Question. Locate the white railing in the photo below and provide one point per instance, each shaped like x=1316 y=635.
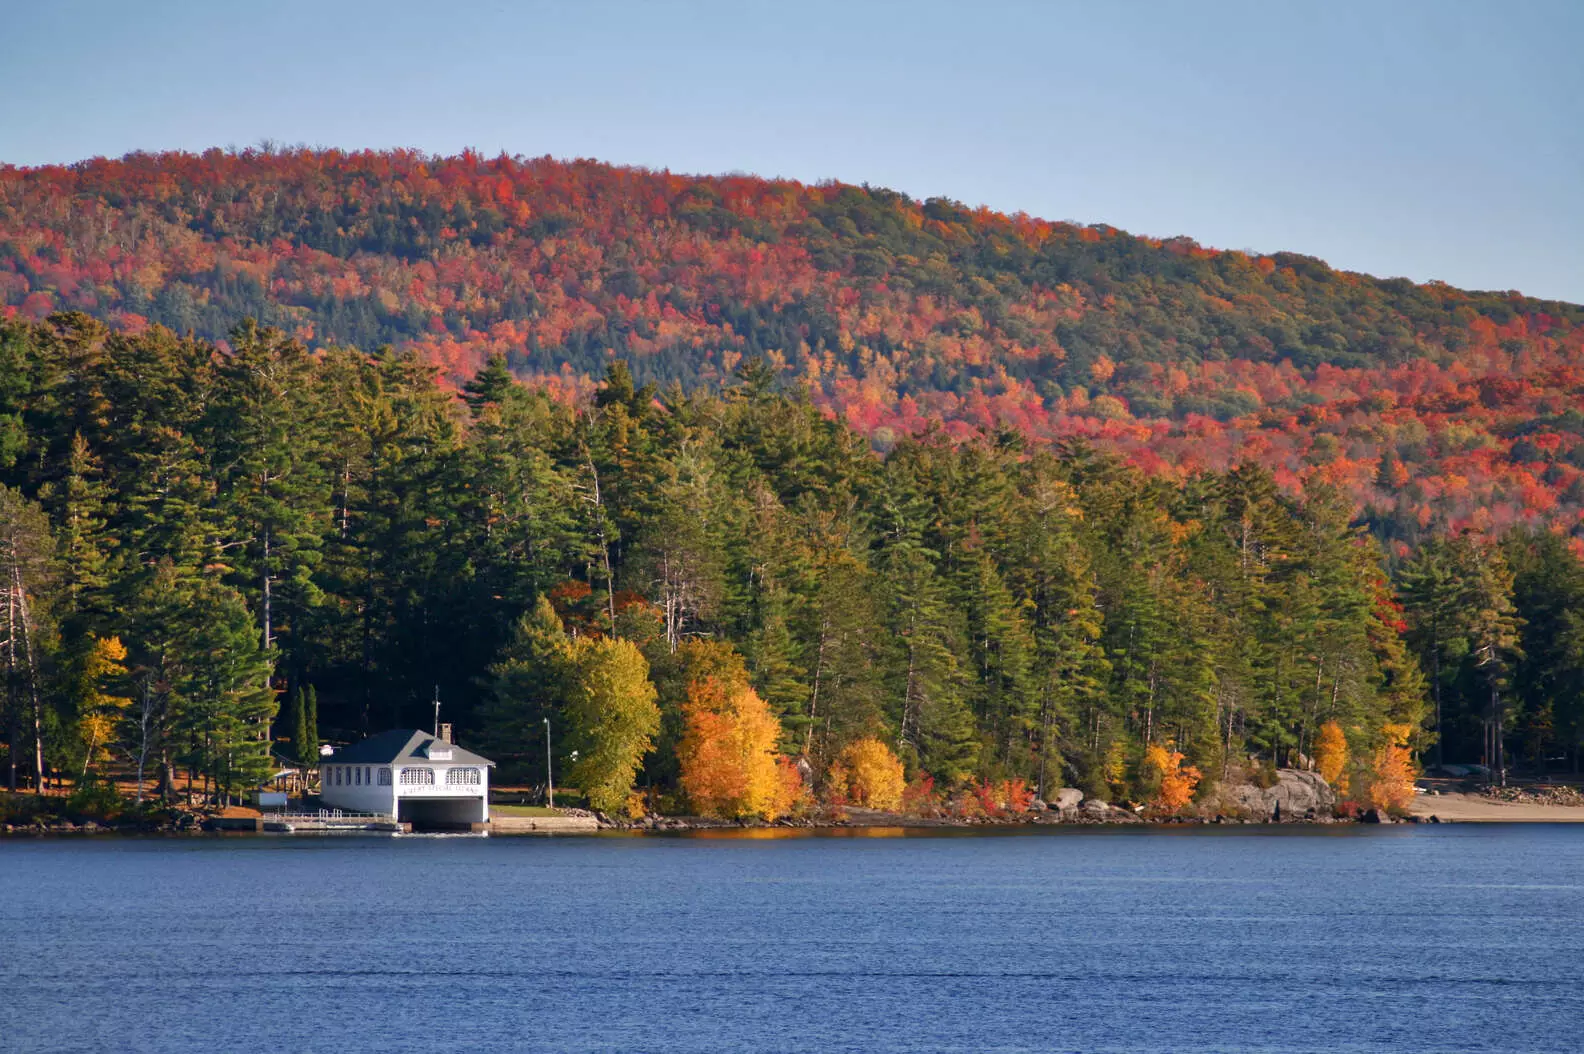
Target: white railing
x=327 y=814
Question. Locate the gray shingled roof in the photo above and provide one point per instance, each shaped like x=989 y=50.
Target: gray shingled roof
x=399 y=745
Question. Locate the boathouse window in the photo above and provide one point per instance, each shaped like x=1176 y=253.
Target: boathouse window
x=384 y=777
x=357 y=776
x=467 y=777
x=417 y=777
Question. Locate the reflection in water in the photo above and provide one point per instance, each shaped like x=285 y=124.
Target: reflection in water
x=775 y=834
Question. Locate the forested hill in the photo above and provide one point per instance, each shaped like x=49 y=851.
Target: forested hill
x=1426 y=403
x=190 y=535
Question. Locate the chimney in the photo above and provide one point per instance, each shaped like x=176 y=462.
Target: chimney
x=445 y=732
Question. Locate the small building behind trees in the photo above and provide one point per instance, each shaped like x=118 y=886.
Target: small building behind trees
x=412 y=776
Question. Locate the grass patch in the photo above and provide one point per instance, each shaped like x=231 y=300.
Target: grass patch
x=523 y=810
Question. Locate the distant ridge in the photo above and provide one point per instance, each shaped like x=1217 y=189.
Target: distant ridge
x=1427 y=403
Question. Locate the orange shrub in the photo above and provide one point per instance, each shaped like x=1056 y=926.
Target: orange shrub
x=920 y=798
x=984 y=794
x=1017 y=796
x=1006 y=798
x=1177 y=781
x=792 y=794
x=1395 y=772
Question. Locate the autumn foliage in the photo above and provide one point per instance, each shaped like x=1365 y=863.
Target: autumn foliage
x=1425 y=404
x=728 y=757
x=1331 y=757
x=1177 y=780
x=1393 y=784
x=866 y=774
x=613 y=717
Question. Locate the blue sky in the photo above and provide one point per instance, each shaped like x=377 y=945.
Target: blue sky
x=1436 y=139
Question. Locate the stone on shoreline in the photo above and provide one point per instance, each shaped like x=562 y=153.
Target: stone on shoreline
x=1296 y=795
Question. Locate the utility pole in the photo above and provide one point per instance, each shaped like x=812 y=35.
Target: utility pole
x=549 y=772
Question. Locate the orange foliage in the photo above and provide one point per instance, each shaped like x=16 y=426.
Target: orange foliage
x=1395 y=771
x=1331 y=756
x=1177 y=781
x=727 y=754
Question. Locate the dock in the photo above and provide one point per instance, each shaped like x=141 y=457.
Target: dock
x=325 y=821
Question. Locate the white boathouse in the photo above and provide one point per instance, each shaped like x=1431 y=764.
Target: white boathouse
x=412 y=776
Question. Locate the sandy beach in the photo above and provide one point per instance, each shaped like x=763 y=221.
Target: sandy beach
x=1475 y=808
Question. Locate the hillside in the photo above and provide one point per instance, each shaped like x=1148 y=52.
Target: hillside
x=1429 y=405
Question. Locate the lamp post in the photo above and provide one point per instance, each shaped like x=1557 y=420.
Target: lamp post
x=549 y=771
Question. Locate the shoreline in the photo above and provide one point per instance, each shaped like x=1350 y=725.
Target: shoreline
x=682 y=825
x=1454 y=807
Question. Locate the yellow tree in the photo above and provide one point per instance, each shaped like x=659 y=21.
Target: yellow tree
x=866 y=773
x=99 y=713
x=1331 y=756
x=613 y=717
x=727 y=754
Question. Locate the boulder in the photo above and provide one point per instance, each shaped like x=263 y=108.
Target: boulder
x=1095 y=809
x=1067 y=798
x=1296 y=795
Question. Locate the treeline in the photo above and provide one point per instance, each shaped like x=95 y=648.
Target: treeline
x=680 y=580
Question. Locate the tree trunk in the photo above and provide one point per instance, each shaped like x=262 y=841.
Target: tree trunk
x=32 y=676
x=604 y=544
x=13 y=704
x=264 y=575
x=1499 y=732
x=1436 y=684
x=819 y=671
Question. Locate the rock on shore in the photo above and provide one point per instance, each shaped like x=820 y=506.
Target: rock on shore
x=1296 y=795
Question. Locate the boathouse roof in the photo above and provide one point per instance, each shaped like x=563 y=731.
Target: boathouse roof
x=400 y=745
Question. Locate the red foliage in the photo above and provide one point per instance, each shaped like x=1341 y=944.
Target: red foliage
x=1469 y=416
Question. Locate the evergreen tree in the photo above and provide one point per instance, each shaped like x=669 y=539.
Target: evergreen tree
x=1548 y=590
x=310 y=755
x=1432 y=595
x=25 y=549
x=267 y=450
x=527 y=683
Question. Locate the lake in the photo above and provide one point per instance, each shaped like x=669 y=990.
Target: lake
x=1434 y=939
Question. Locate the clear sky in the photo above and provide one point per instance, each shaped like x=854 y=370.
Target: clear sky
x=1428 y=138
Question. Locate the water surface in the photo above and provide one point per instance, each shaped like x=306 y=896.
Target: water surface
x=1433 y=939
